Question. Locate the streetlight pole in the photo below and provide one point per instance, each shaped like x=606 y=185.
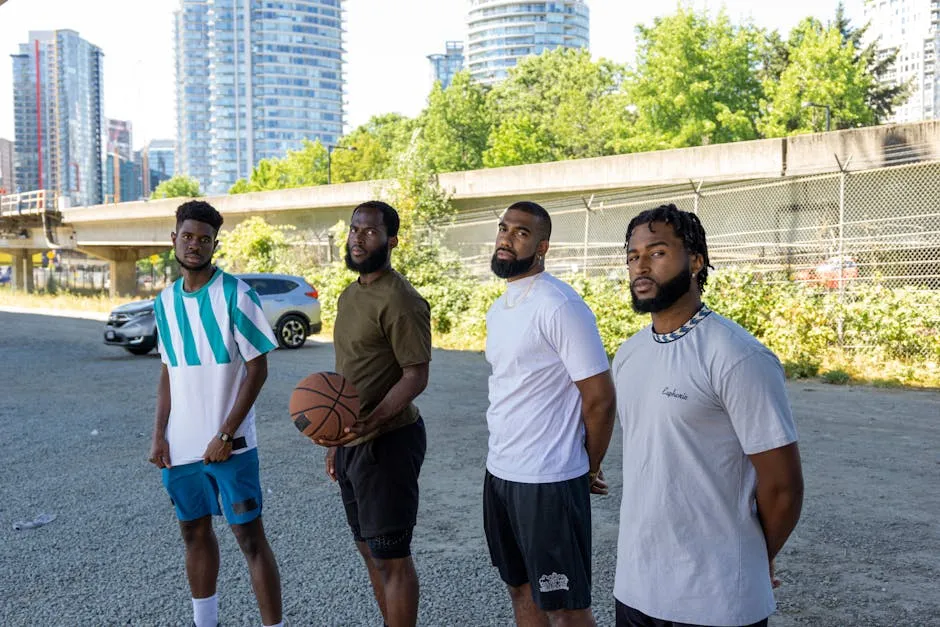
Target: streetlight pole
x=329 y=160
x=828 y=112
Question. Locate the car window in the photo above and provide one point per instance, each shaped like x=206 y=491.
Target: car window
x=259 y=285
x=269 y=287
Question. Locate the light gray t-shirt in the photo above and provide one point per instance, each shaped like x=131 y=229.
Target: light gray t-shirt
x=541 y=337
x=693 y=405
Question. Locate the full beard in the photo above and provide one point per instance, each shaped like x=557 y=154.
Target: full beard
x=509 y=268
x=374 y=262
x=667 y=294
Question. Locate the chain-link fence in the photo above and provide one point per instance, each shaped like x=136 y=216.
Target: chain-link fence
x=880 y=224
x=865 y=243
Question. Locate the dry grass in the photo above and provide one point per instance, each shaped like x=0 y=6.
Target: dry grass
x=62 y=300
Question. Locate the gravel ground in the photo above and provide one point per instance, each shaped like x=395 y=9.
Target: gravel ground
x=75 y=423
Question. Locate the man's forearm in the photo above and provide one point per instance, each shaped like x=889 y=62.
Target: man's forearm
x=163 y=406
x=598 y=412
x=398 y=398
x=779 y=511
x=598 y=429
x=247 y=395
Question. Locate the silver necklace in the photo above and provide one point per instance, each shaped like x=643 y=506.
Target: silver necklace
x=510 y=305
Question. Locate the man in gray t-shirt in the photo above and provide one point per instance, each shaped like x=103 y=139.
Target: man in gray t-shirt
x=713 y=484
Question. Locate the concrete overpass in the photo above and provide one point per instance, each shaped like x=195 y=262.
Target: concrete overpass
x=123 y=233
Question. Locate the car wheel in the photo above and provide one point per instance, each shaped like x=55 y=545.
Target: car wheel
x=291 y=331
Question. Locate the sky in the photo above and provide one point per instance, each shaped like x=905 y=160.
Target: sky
x=387 y=42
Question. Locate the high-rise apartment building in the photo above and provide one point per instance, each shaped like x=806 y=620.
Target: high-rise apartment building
x=57 y=110
x=121 y=179
x=254 y=79
x=192 y=89
x=500 y=32
x=157 y=163
x=444 y=66
x=912 y=28
x=7 y=172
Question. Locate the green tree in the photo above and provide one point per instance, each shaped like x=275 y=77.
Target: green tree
x=696 y=81
x=883 y=96
x=455 y=126
x=374 y=148
x=821 y=68
x=253 y=246
x=177 y=187
x=558 y=105
x=299 y=168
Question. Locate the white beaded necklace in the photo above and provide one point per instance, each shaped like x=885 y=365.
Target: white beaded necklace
x=510 y=305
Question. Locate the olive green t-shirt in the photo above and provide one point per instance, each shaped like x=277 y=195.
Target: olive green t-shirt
x=380 y=329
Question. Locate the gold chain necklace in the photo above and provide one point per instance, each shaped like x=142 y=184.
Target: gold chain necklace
x=524 y=294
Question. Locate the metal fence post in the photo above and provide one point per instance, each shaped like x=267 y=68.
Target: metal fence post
x=587 y=232
x=843 y=174
x=697 y=190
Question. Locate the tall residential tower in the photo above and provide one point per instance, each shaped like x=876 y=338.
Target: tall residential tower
x=500 y=32
x=57 y=111
x=444 y=66
x=254 y=79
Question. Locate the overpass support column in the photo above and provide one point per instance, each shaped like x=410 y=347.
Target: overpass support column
x=124 y=273
x=22 y=278
x=123 y=265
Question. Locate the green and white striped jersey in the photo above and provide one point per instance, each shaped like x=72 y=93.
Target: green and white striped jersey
x=205 y=338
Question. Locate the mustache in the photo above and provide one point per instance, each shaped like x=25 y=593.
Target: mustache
x=643 y=278
x=506 y=250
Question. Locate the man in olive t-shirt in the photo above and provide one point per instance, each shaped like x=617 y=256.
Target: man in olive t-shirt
x=382 y=339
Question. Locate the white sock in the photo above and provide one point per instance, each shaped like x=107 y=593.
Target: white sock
x=206 y=611
x=280 y=624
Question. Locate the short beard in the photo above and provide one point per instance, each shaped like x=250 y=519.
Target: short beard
x=373 y=263
x=667 y=293
x=509 y=268
x=191 y=267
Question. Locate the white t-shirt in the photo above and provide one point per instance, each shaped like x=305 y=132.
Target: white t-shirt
x=693 y=405
x=206 y=337
x=540 y=338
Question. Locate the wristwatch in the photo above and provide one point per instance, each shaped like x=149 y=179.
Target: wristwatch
x=224 y=437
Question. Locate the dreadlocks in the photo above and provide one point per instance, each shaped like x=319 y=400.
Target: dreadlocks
x=687 y=227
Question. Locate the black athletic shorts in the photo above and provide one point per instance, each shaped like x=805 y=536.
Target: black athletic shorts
x=629 y=617
x=379 y=481
x=540 y=533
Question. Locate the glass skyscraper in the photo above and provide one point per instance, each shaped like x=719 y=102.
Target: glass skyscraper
x=444 y=66
x=254 y=79
x=57 y=111
x=192 y=90
x=500 y=32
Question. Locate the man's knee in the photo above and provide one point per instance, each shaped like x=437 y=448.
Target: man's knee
x=250 y=537
x=390 y=546
x=571 y=618
x=197 y=532
x=520 y=593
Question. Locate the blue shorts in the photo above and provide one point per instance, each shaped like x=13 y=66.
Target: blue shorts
x=195 y=488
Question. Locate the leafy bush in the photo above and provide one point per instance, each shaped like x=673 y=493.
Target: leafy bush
x=836 y=377
x=801 y=369
x=253 y=246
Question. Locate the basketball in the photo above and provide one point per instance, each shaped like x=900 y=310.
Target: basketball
x=323 y=405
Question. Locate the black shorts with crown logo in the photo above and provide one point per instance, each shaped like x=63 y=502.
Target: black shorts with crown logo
x=540 y=533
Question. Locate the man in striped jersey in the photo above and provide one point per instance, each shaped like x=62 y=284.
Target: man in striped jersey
x=213 y=343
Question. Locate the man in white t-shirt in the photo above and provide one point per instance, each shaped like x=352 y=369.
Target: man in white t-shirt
x=550 y=420
x=713 y=484
x=213 y=343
